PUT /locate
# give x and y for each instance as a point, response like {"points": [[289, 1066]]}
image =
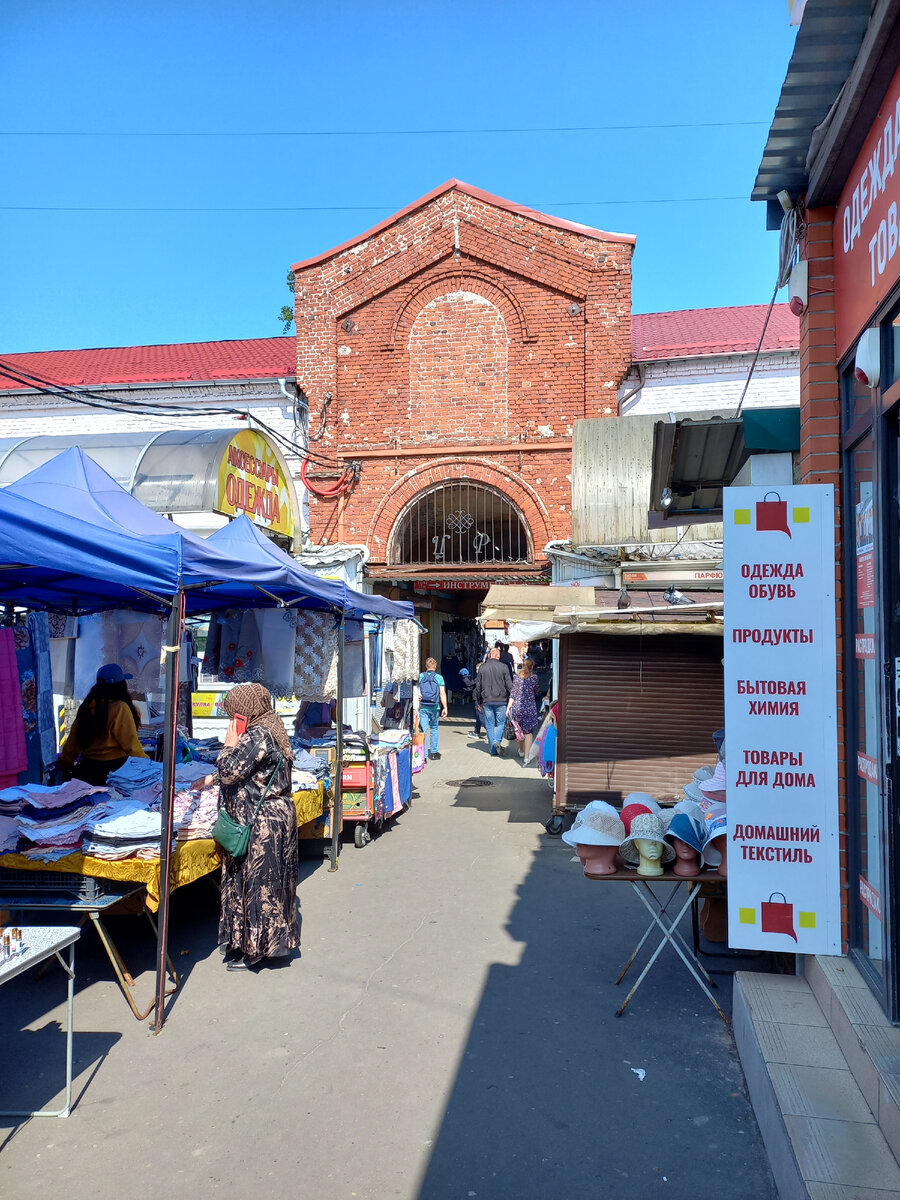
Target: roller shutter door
{"points": [[638, 713]]}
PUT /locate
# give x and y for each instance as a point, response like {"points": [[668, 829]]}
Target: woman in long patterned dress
{"points": [[259, 893], [522, 706]]}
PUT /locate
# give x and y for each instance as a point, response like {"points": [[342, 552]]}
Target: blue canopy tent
{"points": [[73, 540]]}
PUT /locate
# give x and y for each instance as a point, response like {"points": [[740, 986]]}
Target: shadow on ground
{"points": [[555, 1096]]}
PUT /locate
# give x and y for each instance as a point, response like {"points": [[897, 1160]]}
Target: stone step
{"points": [[822, 1136]]}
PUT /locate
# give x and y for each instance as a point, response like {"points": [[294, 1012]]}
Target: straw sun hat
{"points": [[646, 827], [596, 825]]}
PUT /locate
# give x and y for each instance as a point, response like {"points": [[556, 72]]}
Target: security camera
{"points": [[798, 288], [867, 367]]}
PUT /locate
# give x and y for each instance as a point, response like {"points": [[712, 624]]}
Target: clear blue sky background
{"points": [[233, 71]]}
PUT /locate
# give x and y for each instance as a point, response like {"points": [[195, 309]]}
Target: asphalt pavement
{"points": [[448, 1031]]}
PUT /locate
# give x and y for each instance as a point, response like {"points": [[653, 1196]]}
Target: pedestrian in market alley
{"points": [[492, 689], [432, 705]]}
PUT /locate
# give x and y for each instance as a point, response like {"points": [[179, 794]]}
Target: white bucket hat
{"points": [[716, 781], [598, 824], [650, 828], [716, 824]]}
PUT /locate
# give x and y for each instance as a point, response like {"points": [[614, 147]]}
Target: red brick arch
{"points": [[459, 280], [478, 470]]}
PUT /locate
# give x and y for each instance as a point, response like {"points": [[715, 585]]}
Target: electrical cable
{"points": [[342, 133], [793, 228], [525, 209], [155, 409]]}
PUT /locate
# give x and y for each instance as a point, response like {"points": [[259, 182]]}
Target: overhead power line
{"points": [[373, 133], [293, 208], [157, 409]]}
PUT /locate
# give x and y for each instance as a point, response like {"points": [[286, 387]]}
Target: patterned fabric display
{"points": [[406, 651], [315, 660], [39, 629]]}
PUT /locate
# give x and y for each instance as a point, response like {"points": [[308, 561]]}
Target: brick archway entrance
{"points": [[523, 498]]}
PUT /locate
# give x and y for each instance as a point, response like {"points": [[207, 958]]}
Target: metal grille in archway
{"points": [[461, 523]]}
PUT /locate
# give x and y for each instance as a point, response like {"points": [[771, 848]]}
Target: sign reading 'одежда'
{"points": [[781, 720]]}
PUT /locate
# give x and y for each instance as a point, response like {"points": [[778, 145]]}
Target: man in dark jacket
{"points": [[492, 688]]}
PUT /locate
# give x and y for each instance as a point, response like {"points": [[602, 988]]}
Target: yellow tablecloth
{"points": [[309, 804], [190, 860]]}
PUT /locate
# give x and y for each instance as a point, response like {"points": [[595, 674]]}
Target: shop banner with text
{"points": [[781, 720]]}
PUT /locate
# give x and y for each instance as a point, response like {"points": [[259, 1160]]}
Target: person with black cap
{"points": [[104, 732]]}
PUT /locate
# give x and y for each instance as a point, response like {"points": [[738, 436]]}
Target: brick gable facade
{"points": [[459, 341]]}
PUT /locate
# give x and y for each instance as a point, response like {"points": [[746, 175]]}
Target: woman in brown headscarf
{"points": [[259, 893]]}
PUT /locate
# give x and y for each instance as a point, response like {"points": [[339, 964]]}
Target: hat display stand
{"points": [[597, 861]]}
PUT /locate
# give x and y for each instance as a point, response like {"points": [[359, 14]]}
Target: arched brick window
{"points": [[458, 369], [460, 523]]}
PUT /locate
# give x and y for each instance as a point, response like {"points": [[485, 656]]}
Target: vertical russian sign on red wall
{"points": [[781, 720]]}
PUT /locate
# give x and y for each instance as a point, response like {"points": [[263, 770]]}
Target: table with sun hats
{"points": [[681, 847]]}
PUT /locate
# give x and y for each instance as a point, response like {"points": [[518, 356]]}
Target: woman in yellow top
{"points": [[104, 732]]}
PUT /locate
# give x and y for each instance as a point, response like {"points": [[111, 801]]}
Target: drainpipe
{"points": [[642, 379]]}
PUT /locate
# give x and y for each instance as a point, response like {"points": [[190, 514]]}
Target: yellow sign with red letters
{"points": [[252, 481]]}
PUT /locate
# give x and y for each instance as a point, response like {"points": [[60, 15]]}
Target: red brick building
{"points": [[448, 351]]}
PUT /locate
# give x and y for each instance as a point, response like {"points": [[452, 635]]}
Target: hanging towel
{"points": [[13, 754], [39, 628]]}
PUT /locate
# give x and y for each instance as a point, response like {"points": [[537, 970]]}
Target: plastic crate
{"points": [[85, 887]]}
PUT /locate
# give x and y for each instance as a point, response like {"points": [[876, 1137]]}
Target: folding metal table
{"points": [[665, 916], [42, 942]]}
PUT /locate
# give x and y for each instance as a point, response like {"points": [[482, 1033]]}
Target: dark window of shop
{"points": [[461, 524], [872, 657]]}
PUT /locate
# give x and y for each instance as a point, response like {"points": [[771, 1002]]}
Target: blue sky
{"points": [[249, 78]]}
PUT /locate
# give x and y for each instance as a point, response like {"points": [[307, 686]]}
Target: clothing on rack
{"points": [[28, 691], [13, 754], [39, 631], [131, 639], [406, 652], [315, 657]]}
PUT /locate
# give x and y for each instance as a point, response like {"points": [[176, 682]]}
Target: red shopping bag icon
{"points": [[777, 917], [771, 515]]}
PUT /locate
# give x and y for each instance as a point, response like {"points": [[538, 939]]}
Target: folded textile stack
{"points": [[195, 813], [11, 801], [392, 739], [136, 775], [303, 781], [9, 834], [205, 749], [188, 773], [311, 764], [128, 829], [59, 828]]}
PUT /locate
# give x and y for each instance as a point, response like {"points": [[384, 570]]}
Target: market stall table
{"points": [[191, 860], [42, 942], [664, 917]]}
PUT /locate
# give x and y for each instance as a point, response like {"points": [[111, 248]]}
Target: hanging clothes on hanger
{"points": [[13, 755]]}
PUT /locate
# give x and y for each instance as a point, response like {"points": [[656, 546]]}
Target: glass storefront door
{"points": [[866, 753]]}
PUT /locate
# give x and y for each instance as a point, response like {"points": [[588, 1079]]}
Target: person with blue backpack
{"points": [[432, 705]]}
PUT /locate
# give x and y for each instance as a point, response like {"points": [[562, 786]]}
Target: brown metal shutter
{"points": [[637, 713]]}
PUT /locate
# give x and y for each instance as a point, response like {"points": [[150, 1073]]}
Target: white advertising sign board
{"points": [[781, 720]]}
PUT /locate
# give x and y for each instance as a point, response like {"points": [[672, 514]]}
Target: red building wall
{"points": [[460, 339]]}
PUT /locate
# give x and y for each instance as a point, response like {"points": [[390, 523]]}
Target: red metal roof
{"points": [[685, 334], [252, 358], [693, 332]]}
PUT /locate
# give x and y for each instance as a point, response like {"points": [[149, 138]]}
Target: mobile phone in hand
{"points": [[240, 724]]}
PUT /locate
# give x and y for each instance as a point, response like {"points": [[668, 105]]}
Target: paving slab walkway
{"points": [[449, 1031]]}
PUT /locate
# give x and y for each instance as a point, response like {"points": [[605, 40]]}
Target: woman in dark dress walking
{"points": [[259, 893]]}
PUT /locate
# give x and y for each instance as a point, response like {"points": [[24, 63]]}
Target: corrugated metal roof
{"points": [[182, 362], [695, 460], [826, 48], [696, 332]]}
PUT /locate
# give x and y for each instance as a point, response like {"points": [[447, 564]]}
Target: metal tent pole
{"points": [[174, 629], [337, 807]]}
